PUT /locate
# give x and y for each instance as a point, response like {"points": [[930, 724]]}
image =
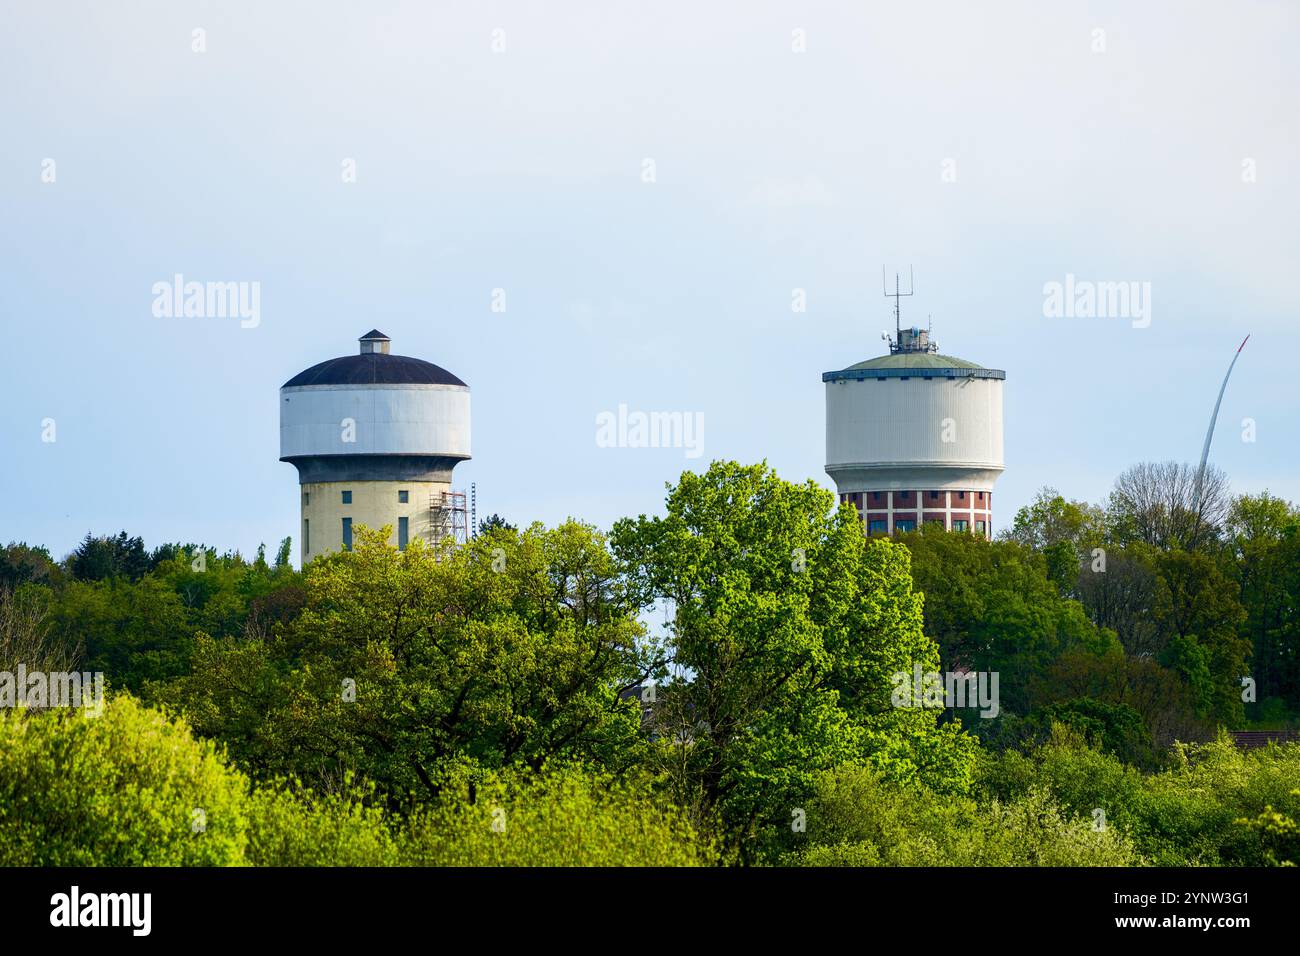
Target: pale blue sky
{"points": [[522, 170]]}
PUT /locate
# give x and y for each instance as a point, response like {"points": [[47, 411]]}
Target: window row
{"points": [[403, 534], [403, 497], [880, 526], [878, 497]]}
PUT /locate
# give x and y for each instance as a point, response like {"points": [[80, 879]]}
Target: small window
{"points": [[347, 533], [934, 496], [875, 496], [961, 496], [347, 497], [904, 525], [404, 497], [403, 529], [981, 496], [979, 527], [306, 498], [877, 527], [959, 525], [306, 536]]}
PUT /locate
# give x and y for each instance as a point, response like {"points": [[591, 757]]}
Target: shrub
{"points": [[1187, 815], [858, 819], [290, 826], [566, 816], [120, 789]]}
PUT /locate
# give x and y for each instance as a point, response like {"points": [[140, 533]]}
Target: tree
{"points": [[566, 815], [116, 790], [25, 632], [1065, 532], [990, 606], [1166, 703], [132, 632], [510, 650], [494, 523], [1114, 728], [1197, 617], [1122, 596], [789, 626], [857, 819], [282, 553], [1263, 558], [1157, 504], [97, 559], [20, 564]]}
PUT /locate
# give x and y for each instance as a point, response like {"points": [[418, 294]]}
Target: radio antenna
{"points": [[897, 294]]}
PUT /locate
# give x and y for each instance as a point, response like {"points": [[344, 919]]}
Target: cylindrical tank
{"points": [[374, 437], [915, 437]]}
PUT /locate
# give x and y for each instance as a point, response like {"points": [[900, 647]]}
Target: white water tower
{"points": [[375, 437], [915, 436]]}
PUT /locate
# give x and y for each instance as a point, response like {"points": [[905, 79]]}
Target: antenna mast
{"points": [[897, 294], [906, 340]]}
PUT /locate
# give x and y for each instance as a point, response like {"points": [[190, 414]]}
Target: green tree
{"points": [[1167, 704], [132, 632], [97, 559], [126, 788], [1263, 558], [991, 606], [510, 650], [1197, 615], [494, 523], [789, 625], [1065, 532], [21, 564]]}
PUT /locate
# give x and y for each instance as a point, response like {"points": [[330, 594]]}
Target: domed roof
{"points": [[915, 360], [913, 364], [374, 366]]}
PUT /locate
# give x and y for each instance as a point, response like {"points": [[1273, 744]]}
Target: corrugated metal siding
{"points": [[903, 421]]}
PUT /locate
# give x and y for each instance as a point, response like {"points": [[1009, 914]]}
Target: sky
{"points": [[644, 187]]}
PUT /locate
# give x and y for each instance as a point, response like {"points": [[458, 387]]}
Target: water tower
{"points": [[375, 437], [914, 436]]}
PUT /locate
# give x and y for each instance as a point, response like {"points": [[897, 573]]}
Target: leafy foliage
{"points": [[1186, 815], [789, 624], [504, 703], [120, 789], [857, 819], [563, 816], [513, 649]]}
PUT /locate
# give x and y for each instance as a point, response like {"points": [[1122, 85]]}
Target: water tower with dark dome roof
{"points": [[375, 437]]}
